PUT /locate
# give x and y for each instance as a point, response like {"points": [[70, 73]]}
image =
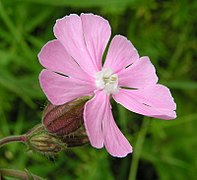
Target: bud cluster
{"points": [[62, 127]]}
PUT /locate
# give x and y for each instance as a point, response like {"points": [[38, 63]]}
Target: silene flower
{"points": [[74, 68]]}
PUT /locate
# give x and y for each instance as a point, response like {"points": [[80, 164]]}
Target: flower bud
{"points": [[64, 119], [77, 138], [41, 141], [62, 127]]}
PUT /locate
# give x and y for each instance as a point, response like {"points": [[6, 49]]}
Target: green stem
{"points": [[138, 148], [18, 174], [9, 139]]}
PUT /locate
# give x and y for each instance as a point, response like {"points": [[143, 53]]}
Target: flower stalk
{"points": [[24, 175], [10, 139]]}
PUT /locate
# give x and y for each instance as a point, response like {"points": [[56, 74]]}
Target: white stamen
{"points": [[105, 79]]}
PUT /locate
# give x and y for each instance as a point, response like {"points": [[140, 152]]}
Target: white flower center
{"points": [[105, 79]]}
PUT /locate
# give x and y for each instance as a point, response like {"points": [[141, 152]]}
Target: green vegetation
{"points": [[163, 30]]}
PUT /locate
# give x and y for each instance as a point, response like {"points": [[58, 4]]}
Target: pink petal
{"points": [[60, 89], [101, 128], [69, 32], [155, 101], [115, 142], [157, 96], [121, 53], [54, 57], [76, 36], [97, 32], [94, 112], [139, 75]]}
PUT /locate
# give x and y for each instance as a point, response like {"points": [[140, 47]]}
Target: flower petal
{"points": [[97, 32], [115, 142], [93, 116], [155, 101], [69, 31], [121, 53], [101, 128], [54, 57], [139, 75], [60, 89]]}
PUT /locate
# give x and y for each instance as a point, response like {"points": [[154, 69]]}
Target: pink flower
{"points": [[74, 68]]}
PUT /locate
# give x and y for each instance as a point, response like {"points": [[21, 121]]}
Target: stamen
{"points": [[105, 79]]}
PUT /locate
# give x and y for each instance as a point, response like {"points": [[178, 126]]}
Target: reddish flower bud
{"points": [[62, 127], [76, 138], [64, 119]]}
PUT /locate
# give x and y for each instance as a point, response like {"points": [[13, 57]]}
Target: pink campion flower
{"points": [[74, 68]]}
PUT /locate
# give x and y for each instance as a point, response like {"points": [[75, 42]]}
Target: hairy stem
{"points": [[9, 139], [24, 175]]}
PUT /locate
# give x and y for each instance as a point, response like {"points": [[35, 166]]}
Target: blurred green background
{"points": [[164, 30]]}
